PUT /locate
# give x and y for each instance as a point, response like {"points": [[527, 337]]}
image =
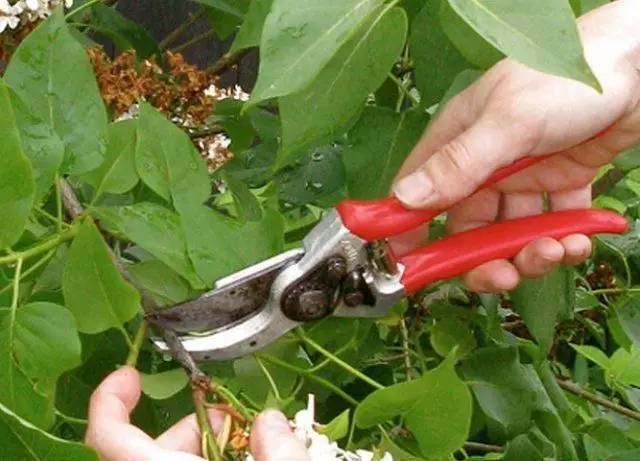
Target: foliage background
{"points": [[547, 372]]}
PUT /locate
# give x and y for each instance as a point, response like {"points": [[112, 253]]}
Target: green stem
{"points": [[14, 302], [193, 41], [624, 261], [81, 8], [134, 351], [403, 93], [71, 419], [325, 362], [31, 270], [310, 342], [50, 217], [58, 204], [210, 449], [42, 247], [272, 383], [612, 291], [323, 382]]}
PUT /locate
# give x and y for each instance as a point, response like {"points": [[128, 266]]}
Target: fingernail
{"points": [[415, 190]]}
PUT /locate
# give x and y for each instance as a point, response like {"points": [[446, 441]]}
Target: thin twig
{"points": [[209, 131], [227, 60], [183, 46], [181, 29], [597, 399], [210, 448], [482, 447], [406, 349]]}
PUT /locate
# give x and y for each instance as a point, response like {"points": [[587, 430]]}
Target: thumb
{"points": [[273, 440], [459, 167]]}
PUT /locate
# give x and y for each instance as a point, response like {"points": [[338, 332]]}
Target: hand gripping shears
{"points": [[345, 268]]}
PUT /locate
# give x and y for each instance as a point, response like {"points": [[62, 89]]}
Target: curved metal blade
{"points": [[234, 299]]}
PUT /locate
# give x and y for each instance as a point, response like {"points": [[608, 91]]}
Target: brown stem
{"points": [[606, 182], [597, 399], [482, 447], [181, 29], [210, 131], [183, 46], [226, 61]]}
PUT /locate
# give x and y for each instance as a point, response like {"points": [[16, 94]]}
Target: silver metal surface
{"points": [[330, 237]]}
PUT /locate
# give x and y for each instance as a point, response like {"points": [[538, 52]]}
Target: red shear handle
{"points": [[377, 219], [459, 253]]}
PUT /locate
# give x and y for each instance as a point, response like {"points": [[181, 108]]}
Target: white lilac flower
{"points": [[236, 93], [319, 447]]}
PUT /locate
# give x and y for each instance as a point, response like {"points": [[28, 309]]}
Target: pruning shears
{"points": [[346, 268]]}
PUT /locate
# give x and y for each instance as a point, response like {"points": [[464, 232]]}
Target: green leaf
{"points": [[224, 6], [39, 143], [124, 33], [624, 367], [17, 184], [46, 341], [299, 39], [469, 43], [117, 174], [31, 400], [22, 441], [317, 174], [436, 408], [250, 31], [627, 456], [161, 280], [51, 72], [542, 35], [594, 354], [628, 310], [449, 333], [378, 145], [542, 303], [223, 17], [93, 289], [501, 387], [167, 160], [588, 5], [521, 448], [398, 454], [219, 246], [437, 60], [338, 427], [156, 229], [160, 386], [340, 91], [247, 205]]}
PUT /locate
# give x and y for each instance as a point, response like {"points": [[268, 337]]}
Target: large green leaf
{"points": [[156, 229], [437, 60], [45, 339], [39, 142], [437, 409], [299, 39], [250, 31], [339, 92], [160, 386], [219, 246], [124, 33], [93, 289], [628, 310], [31, 400], [501, 387], [378, 145], [17, 184], [167, 160], [117, 174], [469, 43], [51, 72], [544, 302], [541, 34], [161, 280], [22, 441]]}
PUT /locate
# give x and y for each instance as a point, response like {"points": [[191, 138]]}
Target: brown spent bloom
{"points": [[10, 39]]}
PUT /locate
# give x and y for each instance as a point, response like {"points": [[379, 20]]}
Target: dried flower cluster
{"points": [[12, 14]]}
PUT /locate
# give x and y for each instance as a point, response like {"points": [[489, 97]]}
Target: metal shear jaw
{"points": [[330, 238]]}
